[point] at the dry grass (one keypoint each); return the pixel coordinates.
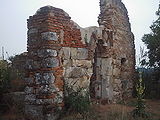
(117, 112)
(15, 112)
(153, 107)
(101, 112)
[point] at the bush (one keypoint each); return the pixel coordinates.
(4, 77)
(139, 111)
(77, 100)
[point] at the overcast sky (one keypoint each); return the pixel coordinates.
(14, 15)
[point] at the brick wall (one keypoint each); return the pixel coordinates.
(56, 56)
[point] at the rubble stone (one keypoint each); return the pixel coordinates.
(30, 98)
(50, 63)
(49, 36)
(28, 90)
(29, 80)
(33, 30)
(47, 53)
(82, 53)
(66, 52)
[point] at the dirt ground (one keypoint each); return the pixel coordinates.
(103, 112)
(153, 106)
(122, 111)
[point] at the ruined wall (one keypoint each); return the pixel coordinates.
(99, 59)
(56, 56)
(115, 53)
(18, 71)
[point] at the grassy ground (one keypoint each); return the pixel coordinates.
(102, 112)
(118, 112)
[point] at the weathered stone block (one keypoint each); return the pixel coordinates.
(66, 52)
(107, 93)
(36, 65)
(38, 78)
(47, 89)
(44, 101)
(59, 98)
(82, 63)
(78, 82)
(106, 66)
(98, 91)
(106, 81)
(31, 41)
(67, 72)
(43, 89)
(99, 62)
(33, 53)
(32, 30)
(31, 64)
(44, 78)
(29, 80)
(73, 53)
(124, 84)
(30, 98)
(49, 36)
(67, 63)
(117, 94)
(28, 90)
(49, 78)
(118, 81)
(116, 71)
(82, 53)
(89, 72)
(50, 63)
(99, 33)
(47, 53)
(75, 72)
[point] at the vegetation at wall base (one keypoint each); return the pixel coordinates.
(7, 75)
(4, 76)
(77, 100)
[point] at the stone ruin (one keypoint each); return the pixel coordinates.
(100, 59)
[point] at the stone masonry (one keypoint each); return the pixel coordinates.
(114, 53)
(99, 59)
(56, 55)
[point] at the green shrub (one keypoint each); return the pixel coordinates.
(4, 77)
(77, 100)
(139, 111)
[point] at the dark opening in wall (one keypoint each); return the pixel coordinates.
(100, 42)
(123, 60)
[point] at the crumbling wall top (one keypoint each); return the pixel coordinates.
(50, 9)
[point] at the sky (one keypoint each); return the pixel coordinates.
(14, 15)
